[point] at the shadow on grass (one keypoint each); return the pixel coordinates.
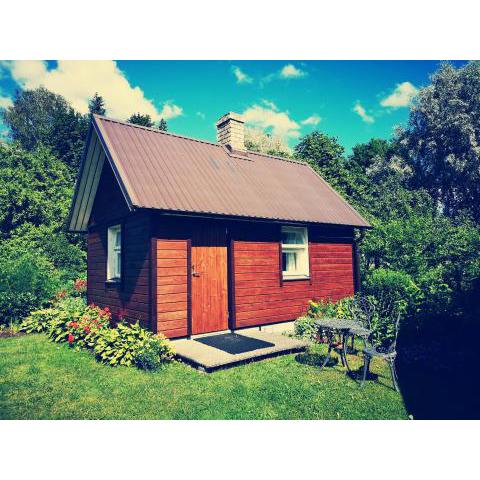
(438, 379)
(315, 359)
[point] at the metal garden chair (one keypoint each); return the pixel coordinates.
(361, 311)
(387, 352)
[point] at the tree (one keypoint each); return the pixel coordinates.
(35, 189)
(364, 153)
(96, 105)
(42, 117)
(326, 156)
(162, 125)
(442, 138)
(258, 141)
(35, 195)
(140, 119)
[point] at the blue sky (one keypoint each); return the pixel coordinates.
(353, 100)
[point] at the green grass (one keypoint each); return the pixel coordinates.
(42, 380)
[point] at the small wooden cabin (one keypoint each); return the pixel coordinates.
(191, 237)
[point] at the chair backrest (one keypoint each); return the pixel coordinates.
(364, 310)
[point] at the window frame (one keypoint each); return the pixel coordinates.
(113, 250)
(304, 272)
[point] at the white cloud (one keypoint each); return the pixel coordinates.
(291, 71)
(170, 111)
(358, 108)
(201, 115)
(270, 105)
(241, 77)
(312, 120)
(77, 81)
(401, 96)
(276, 122)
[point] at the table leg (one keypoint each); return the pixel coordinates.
(366, 364)
(329, 353)
(343, 353)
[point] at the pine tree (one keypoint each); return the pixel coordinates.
(162, 125)
(96, 105)
(139, 119)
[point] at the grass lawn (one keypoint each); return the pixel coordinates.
(42, 380)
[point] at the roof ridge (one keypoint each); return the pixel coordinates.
(185, 137)
(122, 122)
(283, 159)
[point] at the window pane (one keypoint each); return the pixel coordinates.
(290, 261)
(118, 238)
(292, 237)
(114, 252)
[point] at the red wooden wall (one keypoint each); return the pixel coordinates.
(262, 297)
(172, 287)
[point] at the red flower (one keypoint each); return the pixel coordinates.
(87, 329)
(71, 338)
(106, 310)
(79, 285)
(74, 324)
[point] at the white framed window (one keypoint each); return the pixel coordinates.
(295, 262)
(114, 253)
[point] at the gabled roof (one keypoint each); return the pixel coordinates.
(169, 172)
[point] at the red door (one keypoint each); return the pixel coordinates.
(209, 280)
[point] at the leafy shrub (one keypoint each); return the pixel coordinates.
(304, 327)
(89, 327)
(394, 288)
(27, 282)
(39, 321)
(131, 345)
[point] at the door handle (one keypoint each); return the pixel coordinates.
(194, 273)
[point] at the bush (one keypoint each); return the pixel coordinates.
(394, 287)
(27, 281)
(304, 327)
(131, 345)
(89, 327)
(39, 321)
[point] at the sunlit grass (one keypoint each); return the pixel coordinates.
(42, 380)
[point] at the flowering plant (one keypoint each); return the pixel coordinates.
(82, 331)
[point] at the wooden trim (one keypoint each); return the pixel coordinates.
(241, 218)
(309, 258)
(153, 285)
(356, 267)
(114, 165)
(280, 252)
(232, 322)
(79, 176)
(112, 283)
(189, 286)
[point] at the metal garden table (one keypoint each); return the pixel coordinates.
(337, 332)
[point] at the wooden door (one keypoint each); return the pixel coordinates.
(209, 294)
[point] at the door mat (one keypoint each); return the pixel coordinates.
(233, 343)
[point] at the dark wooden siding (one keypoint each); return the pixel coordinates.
(129, 298)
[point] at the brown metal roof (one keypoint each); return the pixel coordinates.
(169, 172)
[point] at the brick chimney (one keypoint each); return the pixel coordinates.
(230, 131)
